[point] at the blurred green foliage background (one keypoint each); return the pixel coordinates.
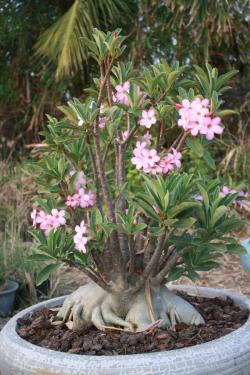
(44, 62)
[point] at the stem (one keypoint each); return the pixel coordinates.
(117, 257)
(182, 140)
(131, 256)
(155, 258)
(173, 258)
(90, 273)
(160, 135)
(99, 262)
(97, 181)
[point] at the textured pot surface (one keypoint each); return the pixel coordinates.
(228, 355)
(7, 297)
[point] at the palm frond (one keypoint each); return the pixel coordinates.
(61, 42)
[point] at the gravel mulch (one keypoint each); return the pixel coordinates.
(43, 328)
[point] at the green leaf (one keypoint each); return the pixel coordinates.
(185, 223)
(236, 249)
(175, 273)
(209, 160)
(139, 227)
(204, 196)
(218, 214)
(39, 257)
(39, 236)
(195, 146)
(45, 273)
(181, 207)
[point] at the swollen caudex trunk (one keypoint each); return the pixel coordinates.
(92, 305)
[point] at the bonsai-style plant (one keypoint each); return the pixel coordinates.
(117, 200)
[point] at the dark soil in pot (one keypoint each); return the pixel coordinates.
(221, 317)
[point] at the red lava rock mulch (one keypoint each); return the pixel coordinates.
(221, 316)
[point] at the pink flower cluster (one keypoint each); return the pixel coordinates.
(46, 222)
(81, 198)
(241, 202)
(196, 117)
(81, 238)
(171, 161)
(149, 161)
(227, 190)
(120, 95)
(148, 118)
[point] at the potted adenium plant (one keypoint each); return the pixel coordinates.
(117, 201)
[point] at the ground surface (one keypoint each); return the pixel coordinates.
(45, 329)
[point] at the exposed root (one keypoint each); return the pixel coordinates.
(91, 304)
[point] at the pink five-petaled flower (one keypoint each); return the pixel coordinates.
(147, 138)
(146, 159)
(121, 91)
(241, 202)
(46, 222)
(198, 197)
(81, 238)
(140, 153)
(227, 190)
(73, 201)
(87, 199)
(151, 159)
(211, 127)
(171, 161)
(33, 216)
(196, 117)
(58, 217)
(148, 118)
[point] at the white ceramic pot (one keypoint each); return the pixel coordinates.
(228, 355)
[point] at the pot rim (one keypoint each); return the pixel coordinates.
(240, 300)
(12, 286)
(221, 356)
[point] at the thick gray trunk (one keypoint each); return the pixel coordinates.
(92, 305)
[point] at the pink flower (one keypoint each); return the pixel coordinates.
(146, 159)
(226, 190)
(171, 161)
(82, 228)
(242, 202)
(73, 201)
(121, 91)
(196, 117)
(148, 118)
(198, 197)
(80, 238)
(46, 221)
(151, 157)
(153, 169)
(41, 217)
(147, 138)
(86, 199)
(212, 127)
(33, 216)
(58, 217)
(80, 243)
